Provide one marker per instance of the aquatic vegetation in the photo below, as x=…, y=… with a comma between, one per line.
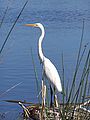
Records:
x=74, y=105
x=76, y=100
x=2, y=115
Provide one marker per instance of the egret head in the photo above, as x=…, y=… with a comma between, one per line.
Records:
x=37, y=25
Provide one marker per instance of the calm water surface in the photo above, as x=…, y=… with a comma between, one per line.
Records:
x=63, y=23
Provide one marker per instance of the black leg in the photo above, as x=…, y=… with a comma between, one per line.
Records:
x=51, y=92
x=54, y=97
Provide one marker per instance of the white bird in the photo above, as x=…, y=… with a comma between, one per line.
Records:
x=49, y=70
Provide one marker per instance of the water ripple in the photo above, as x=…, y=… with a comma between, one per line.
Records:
x=47, y=15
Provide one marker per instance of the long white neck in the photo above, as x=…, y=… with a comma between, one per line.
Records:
x=40, y=51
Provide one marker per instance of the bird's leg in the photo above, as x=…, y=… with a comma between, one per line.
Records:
x=55, y=98
x=43, y=96
x=43, y=74
x=51, y=92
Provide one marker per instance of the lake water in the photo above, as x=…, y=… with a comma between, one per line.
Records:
x=63, y=25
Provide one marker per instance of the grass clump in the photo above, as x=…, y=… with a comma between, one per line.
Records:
x=75, y=103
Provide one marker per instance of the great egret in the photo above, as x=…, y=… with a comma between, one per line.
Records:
x=49, y=70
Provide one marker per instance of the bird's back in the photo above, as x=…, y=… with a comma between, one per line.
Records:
x=52, y=74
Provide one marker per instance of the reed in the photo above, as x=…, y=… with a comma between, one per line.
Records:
x=9, y=89
x=78, y=95
x=63, y=88
x=73, y=101
x=79, y=59
x=36, y=76
x=2, y=20
x=5, y=41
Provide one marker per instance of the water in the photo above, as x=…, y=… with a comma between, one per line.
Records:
x=63, y=23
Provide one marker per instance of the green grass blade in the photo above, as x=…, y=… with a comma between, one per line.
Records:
x=63, y=88
x=36, y=76
x=63, y=74
x=85, y=71
x=13, y=26
x=77, y=65
x=78, y=92
x=80, y=44
x=3, y=16
x=9, y=89
x=86, y=83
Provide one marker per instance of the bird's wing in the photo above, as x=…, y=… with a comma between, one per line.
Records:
x=52, y=74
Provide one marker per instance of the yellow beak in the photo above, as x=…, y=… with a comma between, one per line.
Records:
x=32, y=25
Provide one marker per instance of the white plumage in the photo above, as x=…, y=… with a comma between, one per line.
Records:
x=52, y=74
x=49, y=70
